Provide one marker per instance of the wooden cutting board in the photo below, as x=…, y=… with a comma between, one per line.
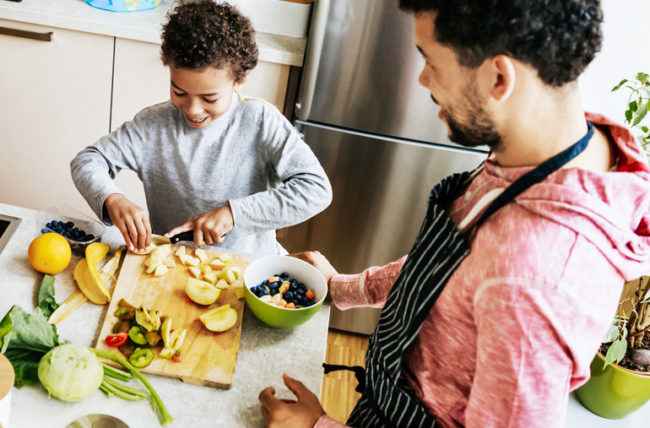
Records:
x=209, y=358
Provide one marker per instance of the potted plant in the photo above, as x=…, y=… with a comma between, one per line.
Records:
x=620, y=372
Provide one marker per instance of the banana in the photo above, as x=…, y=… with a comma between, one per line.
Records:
x=87, y=276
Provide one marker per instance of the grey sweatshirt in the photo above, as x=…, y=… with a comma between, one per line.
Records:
x=251, y=157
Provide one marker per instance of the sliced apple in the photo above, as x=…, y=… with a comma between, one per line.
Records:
x=217, y=263
x=231, y=273
x=211, y=277
x=160, y=270
x=196, y=272
x=201, y=254
x=222, y=284
x=219, y=319
x=180, y=251
x=189, y=260
x=201, y=292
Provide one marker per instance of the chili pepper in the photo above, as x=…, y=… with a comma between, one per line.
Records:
x=141, y=357
x=116, y=340
x=137, y=335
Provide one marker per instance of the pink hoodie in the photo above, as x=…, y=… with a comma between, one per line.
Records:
x=516, y=327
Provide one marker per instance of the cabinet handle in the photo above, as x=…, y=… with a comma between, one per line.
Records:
x=45, y=37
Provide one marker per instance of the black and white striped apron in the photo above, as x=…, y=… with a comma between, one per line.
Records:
x=387, y=400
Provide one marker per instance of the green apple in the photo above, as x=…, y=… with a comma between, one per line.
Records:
x=219, y=319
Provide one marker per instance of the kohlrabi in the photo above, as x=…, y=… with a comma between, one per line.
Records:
x=70, y=372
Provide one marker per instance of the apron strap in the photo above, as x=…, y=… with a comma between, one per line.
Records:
x=538, y=174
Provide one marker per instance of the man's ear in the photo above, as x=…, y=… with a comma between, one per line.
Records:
x=503, y=77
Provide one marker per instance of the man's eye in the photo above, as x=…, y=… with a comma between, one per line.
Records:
x=179, y=94
x=210, y=101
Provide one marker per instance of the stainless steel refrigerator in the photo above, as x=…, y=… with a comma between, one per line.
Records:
x=376, y=133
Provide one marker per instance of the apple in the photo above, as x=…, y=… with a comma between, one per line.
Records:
x=201, y=292
x=219, y=319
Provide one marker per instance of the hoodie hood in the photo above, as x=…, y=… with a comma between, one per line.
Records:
x=611, y=210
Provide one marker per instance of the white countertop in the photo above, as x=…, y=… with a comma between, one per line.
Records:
x=143, y=26
x=264, y=354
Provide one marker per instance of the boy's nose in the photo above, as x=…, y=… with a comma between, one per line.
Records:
x=193, y=106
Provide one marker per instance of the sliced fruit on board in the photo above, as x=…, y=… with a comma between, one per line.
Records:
x=219, y=319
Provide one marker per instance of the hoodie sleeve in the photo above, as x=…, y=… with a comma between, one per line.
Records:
x=368, y=288
x=94, y=168
x=304, y=188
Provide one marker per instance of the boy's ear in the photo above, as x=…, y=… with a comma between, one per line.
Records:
x=503, y=77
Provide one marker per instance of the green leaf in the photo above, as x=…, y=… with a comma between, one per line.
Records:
x=640, y=114
x=646, y=299
x=45, y=300
x=621, y=83
x=644, y=129
x=633, y=106
x=642, y=77
x=24, y=339
x=628, y=116
x=616, y=352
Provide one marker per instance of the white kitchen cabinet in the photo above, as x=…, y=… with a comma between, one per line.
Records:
x=55, y=101
x=141, y=80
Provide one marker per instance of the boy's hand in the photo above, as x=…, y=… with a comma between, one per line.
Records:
x=304, y=412
x=316, y=259
x=209, y=228
x=131, y=220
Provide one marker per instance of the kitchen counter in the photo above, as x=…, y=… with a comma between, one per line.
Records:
x=142, y=26
x=264, y=354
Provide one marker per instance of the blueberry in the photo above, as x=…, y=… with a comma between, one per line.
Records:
x=274, y=291
x=284, y=275
x=89, y=237
x=274, y=284
x=265, y=282
x=45, y=230
x=293, y=286
x=68, y=224
x=288, y=295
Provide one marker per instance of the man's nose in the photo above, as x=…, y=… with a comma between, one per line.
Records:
x=423, y=79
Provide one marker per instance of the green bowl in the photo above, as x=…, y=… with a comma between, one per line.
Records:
x=275, y=316
x=614, y=392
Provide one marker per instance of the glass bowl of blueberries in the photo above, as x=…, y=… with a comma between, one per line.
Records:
x=76, y=227
x=283, y=291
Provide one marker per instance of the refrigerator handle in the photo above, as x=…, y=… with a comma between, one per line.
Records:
x=313, y=55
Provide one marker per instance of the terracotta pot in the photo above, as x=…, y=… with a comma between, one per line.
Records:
x=614, y=392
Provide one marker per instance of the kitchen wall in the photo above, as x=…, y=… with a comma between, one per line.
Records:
x=624, y=53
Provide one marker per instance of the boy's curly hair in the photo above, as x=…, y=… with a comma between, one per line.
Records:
x=207, y=33
x=559, y=38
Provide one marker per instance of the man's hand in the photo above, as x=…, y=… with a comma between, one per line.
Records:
x=304, y=412
x=131, y=220
x=316, y=259
x=209, y=228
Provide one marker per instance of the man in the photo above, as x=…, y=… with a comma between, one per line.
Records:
x=499, y=308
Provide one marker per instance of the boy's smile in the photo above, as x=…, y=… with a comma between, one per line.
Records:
x=201, y=95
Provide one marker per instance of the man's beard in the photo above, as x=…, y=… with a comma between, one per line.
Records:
x=479, y=130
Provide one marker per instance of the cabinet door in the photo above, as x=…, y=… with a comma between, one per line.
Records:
x=55, y=101
x=141, y=80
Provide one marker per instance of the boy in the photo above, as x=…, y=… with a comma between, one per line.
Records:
x=229, y=168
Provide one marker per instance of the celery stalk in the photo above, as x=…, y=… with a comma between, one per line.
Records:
x=116, y=373
x=164, y=413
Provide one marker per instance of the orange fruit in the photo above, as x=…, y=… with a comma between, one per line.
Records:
x=49, y=253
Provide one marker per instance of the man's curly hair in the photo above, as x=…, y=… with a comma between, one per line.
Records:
x=559, y=38
x=207, y=33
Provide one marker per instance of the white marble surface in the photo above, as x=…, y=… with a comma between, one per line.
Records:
x=143, y=26
x=264, y=354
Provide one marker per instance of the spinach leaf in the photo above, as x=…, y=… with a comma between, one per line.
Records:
x=24, y=339
x=45, y=302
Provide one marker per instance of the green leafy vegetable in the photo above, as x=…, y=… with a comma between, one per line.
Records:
x=24, y=339
x=45, y=302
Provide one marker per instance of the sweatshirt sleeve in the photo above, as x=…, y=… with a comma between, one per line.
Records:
x=94, y=168
x=524, y=360
x=368, y=288
x=304, y=188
